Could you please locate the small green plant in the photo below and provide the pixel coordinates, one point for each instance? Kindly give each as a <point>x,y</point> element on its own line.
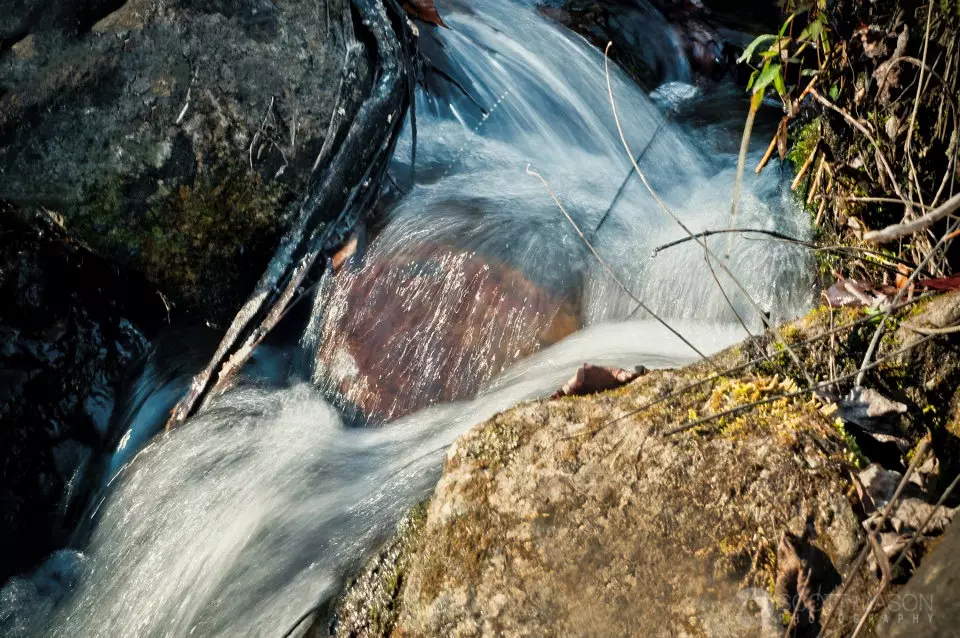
<point>785,52</point>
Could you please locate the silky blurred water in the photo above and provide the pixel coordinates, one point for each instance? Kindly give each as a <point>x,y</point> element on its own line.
<point>255,510</point>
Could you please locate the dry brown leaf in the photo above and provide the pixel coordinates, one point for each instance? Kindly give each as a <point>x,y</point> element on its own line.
<point>424,10</point>
<point>590,379</point>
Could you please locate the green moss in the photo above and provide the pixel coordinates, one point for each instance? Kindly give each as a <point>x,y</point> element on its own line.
<point>201,244</point>
<point>802,144</point>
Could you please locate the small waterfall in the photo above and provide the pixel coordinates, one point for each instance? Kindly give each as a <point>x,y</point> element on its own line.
<point>476,294</point>
<point>249,514</point>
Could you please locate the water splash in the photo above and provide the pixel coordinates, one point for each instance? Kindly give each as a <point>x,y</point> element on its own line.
<point>241,520</point>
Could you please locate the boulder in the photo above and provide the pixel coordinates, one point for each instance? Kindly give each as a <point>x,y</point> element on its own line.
<point>591,515</point>
<point>170,136</point>
<point>69,327</point>
<point>405,330</point>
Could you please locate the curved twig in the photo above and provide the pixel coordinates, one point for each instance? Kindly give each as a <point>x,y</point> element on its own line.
<point>896,231</point>
<point>708,233</point>
<point>931,331</point>
<point>609,271</point>
<point>302,242</point>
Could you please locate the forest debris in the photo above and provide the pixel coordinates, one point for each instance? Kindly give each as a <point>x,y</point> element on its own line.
<point>590,379</point>
<point>871,411</point>
<point>877,487</point>
<point>889,546</point>
<point>852,292</point>
<point>424,10</point>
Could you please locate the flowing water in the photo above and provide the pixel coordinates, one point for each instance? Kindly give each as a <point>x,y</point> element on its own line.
<point>257,509</point>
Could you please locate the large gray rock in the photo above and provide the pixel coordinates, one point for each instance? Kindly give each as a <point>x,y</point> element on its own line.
<point>171,135</point>
<point>929,605</point>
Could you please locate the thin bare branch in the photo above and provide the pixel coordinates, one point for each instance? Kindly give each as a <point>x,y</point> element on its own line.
<point>608,270</point>
<point>896,231</point>
<point>708,233</point>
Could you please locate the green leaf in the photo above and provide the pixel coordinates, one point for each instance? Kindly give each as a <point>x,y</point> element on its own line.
<point>753,78</point>
<point>834,92</point>
<point>779,85</point>
<point>748,52</point>
<point>812,31</point>
<point>767,75</point>
<point>786,24</point>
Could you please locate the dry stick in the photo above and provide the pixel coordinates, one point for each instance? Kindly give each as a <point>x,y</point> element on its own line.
<point>663,206</point>
<point>769,153</point>
<point>908,150</point>
<point>716,375</point>
<point>896,231</point>
<point>839,250</point>
<point>795,184</point>
<point>879,200</point>
<point>726,298</point>
<point>607,268</point>
<point>708,233</point>
<point>904,553</point>
<point>804,581</point>
<point>855,570</point>
<point>277,312</point>
<point>897,298</point>
<point>873,142</point>
<point>626,180</point>
<point>789,395</point>
<point>817,176</point>
<point>931,331</point>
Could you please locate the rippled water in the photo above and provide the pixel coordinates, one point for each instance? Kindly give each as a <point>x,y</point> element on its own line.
<point>254,511</point>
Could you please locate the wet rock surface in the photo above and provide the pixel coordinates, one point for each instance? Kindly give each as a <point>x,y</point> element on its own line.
<point>170,136</point>
<point>65,340</point>
<point>417,321</point>
<point>664,40</point>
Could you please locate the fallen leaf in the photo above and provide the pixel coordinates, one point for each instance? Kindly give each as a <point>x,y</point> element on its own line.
<point>850,292</point>
<point>903,276</point>
<point>590,379</point>
<point>424,10</point>
<point>943,284</point>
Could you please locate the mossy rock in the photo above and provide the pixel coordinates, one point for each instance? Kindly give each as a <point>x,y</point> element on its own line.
<point>583,516</point>
<point>173,137</point>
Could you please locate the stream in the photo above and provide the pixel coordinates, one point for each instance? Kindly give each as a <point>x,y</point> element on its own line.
<point>475,293</point>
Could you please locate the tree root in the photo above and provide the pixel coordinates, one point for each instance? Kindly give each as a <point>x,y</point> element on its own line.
<point>349,183</point>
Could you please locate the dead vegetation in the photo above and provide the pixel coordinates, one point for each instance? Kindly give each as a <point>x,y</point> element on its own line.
<point>874,126</point>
